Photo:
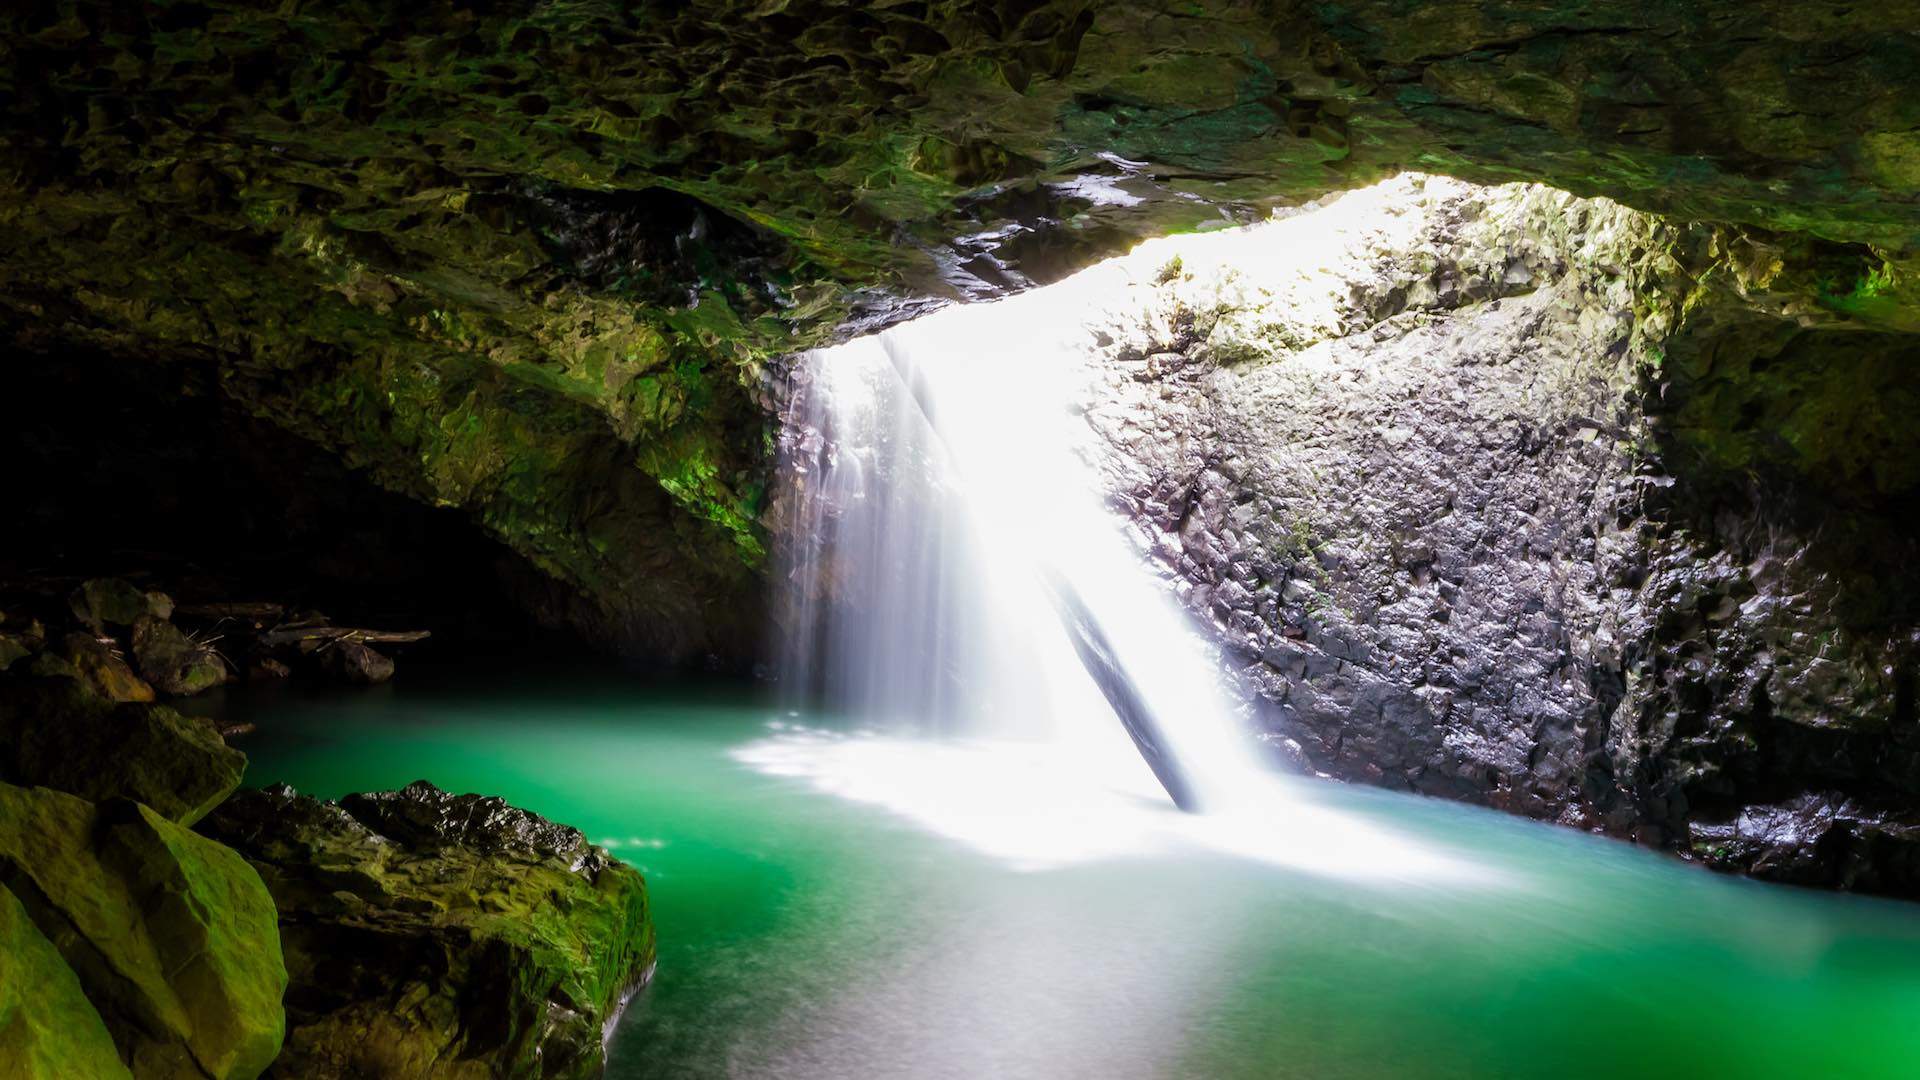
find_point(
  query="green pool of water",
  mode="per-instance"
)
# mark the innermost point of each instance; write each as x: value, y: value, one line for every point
x: 805, y: 934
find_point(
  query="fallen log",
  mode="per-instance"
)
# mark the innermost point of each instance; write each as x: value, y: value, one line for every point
x: 240, y: 610
x: 326, y: 635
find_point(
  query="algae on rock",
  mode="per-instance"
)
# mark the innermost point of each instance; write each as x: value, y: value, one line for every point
x: 440, y: 936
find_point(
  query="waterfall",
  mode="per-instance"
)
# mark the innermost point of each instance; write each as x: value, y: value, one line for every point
x: 950, y: 566
x: 953, y: 578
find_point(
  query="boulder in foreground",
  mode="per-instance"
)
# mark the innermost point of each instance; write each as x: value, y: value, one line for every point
x: 48, y: 1028
x: 440, y: 936
x: 171, y: 936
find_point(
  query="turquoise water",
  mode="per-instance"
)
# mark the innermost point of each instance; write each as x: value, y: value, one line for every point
x: 815, y: 923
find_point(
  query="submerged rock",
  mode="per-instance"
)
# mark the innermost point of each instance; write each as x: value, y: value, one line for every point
x: 48, y: 1028
x: 171, y: 935
x: 431, y: 935
x: 55, y: 734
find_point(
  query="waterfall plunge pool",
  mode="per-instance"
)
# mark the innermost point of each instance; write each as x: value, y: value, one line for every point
x: 966, y: 868
x: 834, y: 904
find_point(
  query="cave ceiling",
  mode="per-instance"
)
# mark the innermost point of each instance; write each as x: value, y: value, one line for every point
x: 534, y: 260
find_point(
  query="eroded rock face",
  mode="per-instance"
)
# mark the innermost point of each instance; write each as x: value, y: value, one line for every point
x: 528, y: 261
x: 438, y: 935
x: 1440, y: 512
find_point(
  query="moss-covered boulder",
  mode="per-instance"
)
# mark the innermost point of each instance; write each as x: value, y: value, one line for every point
x: 176, y: 664
x: 172, y: 936
x: 439, y: 936
x: 101, y: 603
x: 54, y: 733
x: 48, y: 1028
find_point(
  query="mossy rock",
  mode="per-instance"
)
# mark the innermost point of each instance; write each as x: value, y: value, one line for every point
x: 172, y: 935
x: 98, y: 665
x: 103, y: 602
x: 48, y: 1028
x: 440, y: 936
x: 174, y: 663
x: 55, y: 734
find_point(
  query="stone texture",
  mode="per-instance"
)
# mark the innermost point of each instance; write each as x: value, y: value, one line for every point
x: 55, y: 734
x: 171, y: 935
x: 98, y: 664
x: 530, y: 261
x: 48, y: 1028
x: 350, y: 661
x: 173, y: 662
x: 1429, y: 478
x: 444, y: 936
x: 103, y: 603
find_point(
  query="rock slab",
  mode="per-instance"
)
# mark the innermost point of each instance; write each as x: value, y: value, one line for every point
x: 48, y: 1028
x: 170, y: 935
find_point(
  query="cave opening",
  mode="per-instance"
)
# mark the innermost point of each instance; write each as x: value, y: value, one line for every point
x: 959, y: 539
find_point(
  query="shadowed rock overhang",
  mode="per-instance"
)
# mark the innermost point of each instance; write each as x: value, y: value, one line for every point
x: 534, y: 260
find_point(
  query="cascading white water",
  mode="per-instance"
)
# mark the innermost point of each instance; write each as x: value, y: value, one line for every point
x: 940, y: 486
x: 940, y: 491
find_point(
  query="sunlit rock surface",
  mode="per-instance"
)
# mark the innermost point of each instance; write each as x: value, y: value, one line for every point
x: 528, y: 262
x: 438, y: 935
x: 1425, y: 461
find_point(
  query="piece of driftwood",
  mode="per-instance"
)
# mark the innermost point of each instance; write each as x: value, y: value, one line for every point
x: 324, y: 635
x: 241, y: 610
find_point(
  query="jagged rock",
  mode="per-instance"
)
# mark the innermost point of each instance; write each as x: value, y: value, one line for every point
x: 172, y: 936
x: 48, y: 1028
x: 1444, y: 505
x: 432, y: 935
x: 97, y: 664
x: 55, y: 734
x: 1817, y: 839
x: 350, y: 661
x: 101, y: 603
x: 175, y: 664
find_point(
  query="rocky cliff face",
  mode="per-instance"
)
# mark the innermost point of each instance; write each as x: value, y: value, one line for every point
x: 1437, y: 474
x: 527, y: 261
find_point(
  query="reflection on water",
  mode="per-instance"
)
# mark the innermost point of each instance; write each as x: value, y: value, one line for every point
x: 849, y: 906
x: 1038, y: 806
